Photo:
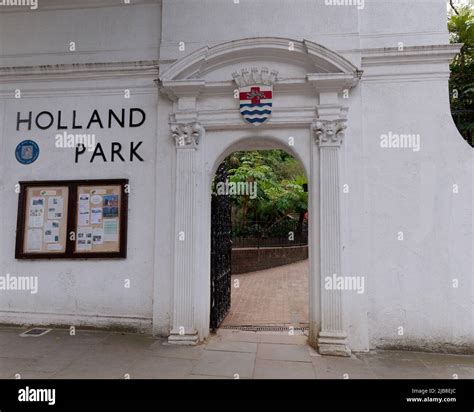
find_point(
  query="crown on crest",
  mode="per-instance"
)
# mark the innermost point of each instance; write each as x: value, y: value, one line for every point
x: 248, y: 77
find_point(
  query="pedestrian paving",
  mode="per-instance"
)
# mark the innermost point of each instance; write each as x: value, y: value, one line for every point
x: 228, y: 354
x: 273, y: 297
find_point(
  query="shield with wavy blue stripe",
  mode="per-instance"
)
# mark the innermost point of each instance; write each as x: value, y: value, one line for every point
x: 256, y: 103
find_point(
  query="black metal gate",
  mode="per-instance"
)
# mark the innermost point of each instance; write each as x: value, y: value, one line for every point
x: 221, y: 248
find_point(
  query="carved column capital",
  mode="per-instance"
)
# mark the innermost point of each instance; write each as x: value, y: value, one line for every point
x: 329, y: 133
x: 187, y: 136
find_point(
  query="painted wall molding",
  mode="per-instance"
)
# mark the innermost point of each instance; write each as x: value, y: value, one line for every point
x: 438, y: 54
x: 79, y: 71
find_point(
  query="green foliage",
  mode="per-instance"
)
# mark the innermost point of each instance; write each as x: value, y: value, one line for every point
x: 461, y: 28
x: 279, y: 178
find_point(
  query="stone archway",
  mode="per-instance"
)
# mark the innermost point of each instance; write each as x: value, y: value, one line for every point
x: 267, y: 317
x: 205, y: 123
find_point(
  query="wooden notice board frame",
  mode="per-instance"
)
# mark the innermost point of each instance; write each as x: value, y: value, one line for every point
x: 116, y: 208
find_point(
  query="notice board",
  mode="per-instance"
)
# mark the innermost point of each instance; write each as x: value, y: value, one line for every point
x: 72, y: 219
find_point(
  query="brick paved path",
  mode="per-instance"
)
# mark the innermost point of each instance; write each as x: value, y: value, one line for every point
x: 271, y: 297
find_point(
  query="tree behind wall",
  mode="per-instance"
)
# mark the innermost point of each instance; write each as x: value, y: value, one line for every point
x: 280, y: 184
x: 461, y: 84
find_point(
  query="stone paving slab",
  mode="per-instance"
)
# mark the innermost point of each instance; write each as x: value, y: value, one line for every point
x: 161, y: 368
x: 276, y: 369
x: 163, y: 349
x: 283, y: 338
x: 229, y: 346
x: 257, y: 355
x: 238, y: 336
x: 277, y: 351
x: 97, y: 364
x: 451, y: 371
x: 206, y: 377
x: 27, y: 374
x: 11, y: 366
x: 341, y: 368
x: 226, y: 364
x: 55, y: 363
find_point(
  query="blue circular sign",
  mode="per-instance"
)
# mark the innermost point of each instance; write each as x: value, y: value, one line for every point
x: 27, y: 152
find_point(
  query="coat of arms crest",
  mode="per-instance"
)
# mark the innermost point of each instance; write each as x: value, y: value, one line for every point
x: 255, y: 94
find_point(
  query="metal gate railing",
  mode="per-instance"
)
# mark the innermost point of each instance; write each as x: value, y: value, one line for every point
x: 221, y: 248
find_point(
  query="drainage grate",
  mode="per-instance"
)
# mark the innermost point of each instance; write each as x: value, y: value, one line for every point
x: 285, y: 329
x: 35, y: 332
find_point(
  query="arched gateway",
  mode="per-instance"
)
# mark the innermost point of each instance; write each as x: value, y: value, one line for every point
x: 311, y: 98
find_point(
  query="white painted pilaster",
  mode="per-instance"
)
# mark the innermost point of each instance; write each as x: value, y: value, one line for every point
x: 187, y: 139
x: 329, y: 135
x: 314, y: 249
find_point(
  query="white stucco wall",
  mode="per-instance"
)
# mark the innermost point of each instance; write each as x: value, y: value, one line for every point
x: 103, y: 31
x: 412, y: 192
x: 91, y: 291
x: 408, y: 283
x: 83, y: 292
